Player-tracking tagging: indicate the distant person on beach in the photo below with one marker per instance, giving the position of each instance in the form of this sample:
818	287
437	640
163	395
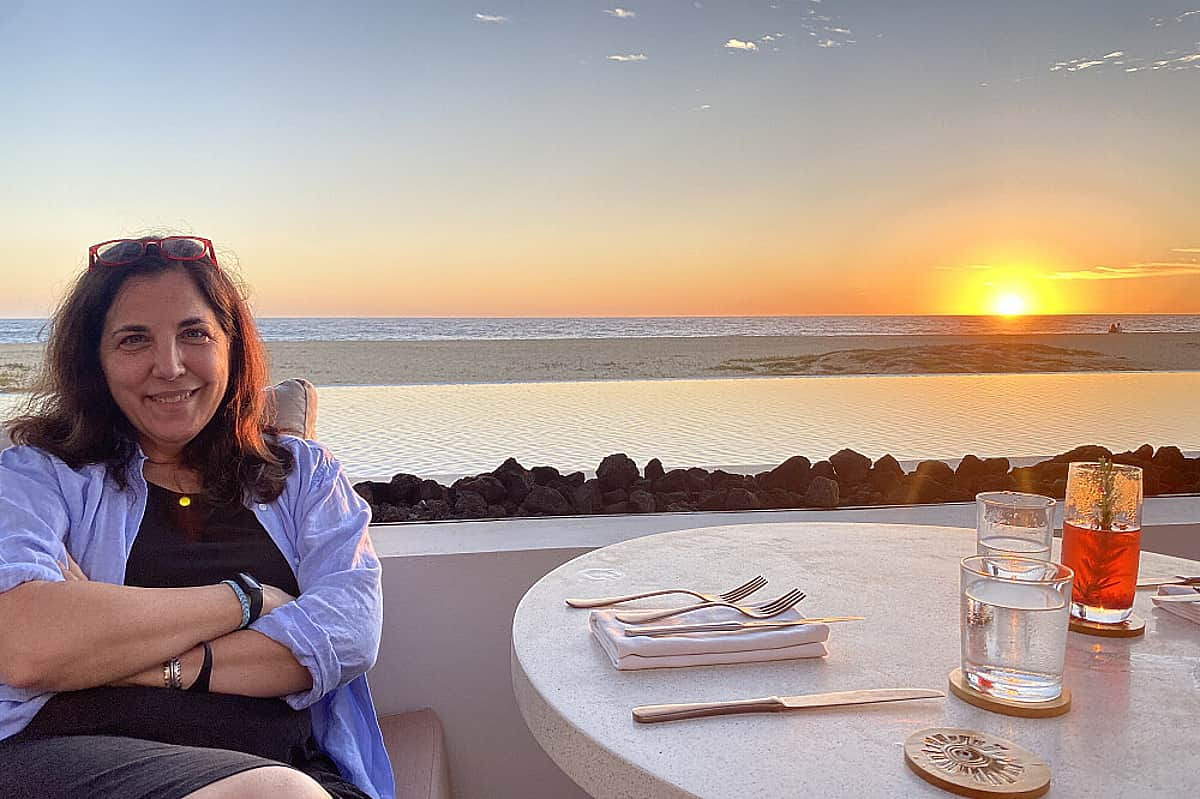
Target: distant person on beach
1115	327
190	599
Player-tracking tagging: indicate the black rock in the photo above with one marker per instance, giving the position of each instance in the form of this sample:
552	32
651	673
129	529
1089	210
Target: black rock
791	475
404	489
697	479
822	493
741	499
587	497
617	471
722	479
387	512
516	480
885	473
432	489
618	495
544	475
641	502
1088	452
654	469
674	480
431	510
970	467
1169	458
497	512
485	485
469	505
575	479
996	466
937	470
918	489
543	500
849	466
824	469
365	491
711	500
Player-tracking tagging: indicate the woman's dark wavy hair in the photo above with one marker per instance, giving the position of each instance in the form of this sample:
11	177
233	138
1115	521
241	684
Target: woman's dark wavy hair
71	413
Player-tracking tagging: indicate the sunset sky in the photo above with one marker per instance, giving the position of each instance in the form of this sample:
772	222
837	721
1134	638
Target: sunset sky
566	158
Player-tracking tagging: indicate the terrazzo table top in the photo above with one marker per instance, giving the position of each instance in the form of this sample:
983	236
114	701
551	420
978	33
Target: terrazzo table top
1132	729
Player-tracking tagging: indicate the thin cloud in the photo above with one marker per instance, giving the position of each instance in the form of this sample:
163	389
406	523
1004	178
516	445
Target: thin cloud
1160	21
738	44
1131	63
1130	272
493	18
628	57
1186	249
620	13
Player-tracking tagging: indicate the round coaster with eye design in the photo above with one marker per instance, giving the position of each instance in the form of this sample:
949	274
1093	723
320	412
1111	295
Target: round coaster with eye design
976	764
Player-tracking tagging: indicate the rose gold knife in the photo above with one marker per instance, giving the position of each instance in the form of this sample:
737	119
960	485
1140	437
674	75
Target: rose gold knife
774	704
1192	581
732	626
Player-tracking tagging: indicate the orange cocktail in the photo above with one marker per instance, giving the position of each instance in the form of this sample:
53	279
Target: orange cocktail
1102	536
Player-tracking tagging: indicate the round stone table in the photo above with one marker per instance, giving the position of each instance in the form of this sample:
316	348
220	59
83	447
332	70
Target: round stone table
1131	731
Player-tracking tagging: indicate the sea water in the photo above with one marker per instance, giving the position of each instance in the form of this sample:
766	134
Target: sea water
1014	639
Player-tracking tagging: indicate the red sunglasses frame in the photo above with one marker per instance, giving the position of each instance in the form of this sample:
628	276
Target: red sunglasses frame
94	258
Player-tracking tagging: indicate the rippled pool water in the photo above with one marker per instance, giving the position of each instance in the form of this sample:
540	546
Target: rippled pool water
470	428
460	429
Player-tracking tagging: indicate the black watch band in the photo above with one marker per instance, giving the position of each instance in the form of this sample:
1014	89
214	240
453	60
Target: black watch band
254	592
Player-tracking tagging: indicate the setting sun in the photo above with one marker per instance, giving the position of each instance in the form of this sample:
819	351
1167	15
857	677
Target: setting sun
1010	305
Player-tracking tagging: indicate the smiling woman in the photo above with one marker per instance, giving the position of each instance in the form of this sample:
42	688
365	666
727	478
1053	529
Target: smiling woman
145	491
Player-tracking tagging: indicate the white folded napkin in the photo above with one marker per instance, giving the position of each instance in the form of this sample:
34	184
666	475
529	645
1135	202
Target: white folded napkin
1186	610
630	652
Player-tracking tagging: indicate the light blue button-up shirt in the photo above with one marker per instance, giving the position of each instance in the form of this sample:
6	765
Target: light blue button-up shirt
319	524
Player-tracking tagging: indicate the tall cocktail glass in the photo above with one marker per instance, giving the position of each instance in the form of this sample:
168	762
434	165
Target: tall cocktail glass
1013	624
1102	538
1012	523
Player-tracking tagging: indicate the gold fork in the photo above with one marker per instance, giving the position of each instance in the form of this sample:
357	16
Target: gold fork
732	595
780	604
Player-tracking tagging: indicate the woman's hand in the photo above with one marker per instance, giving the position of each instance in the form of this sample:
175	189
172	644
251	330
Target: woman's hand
71	571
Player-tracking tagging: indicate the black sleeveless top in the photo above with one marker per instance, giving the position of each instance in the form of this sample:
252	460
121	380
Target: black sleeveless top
180	547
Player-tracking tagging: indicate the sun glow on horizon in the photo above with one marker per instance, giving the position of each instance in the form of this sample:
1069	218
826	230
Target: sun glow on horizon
1010	304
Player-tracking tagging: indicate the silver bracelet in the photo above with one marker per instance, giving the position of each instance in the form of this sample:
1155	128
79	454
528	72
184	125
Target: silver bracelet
173	670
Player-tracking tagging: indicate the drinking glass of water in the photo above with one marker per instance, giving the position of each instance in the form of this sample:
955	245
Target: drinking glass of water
1013	615
1011	523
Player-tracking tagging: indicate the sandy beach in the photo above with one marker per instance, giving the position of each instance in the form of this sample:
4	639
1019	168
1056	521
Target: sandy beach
331	363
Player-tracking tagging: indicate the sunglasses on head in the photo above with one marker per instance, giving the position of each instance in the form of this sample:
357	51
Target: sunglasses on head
119	252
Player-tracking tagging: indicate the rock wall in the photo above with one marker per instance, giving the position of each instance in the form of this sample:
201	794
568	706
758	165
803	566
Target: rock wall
846	478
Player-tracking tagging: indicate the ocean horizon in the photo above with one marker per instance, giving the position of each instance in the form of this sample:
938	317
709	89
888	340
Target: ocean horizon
343	328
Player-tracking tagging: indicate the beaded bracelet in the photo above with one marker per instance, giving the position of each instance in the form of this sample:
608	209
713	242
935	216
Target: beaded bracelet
243	599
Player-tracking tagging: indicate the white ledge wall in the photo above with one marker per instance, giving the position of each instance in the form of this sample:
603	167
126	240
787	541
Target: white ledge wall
451	588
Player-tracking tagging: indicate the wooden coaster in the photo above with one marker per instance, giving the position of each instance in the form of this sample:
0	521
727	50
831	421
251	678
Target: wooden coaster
976	764
1028	710
1130	628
